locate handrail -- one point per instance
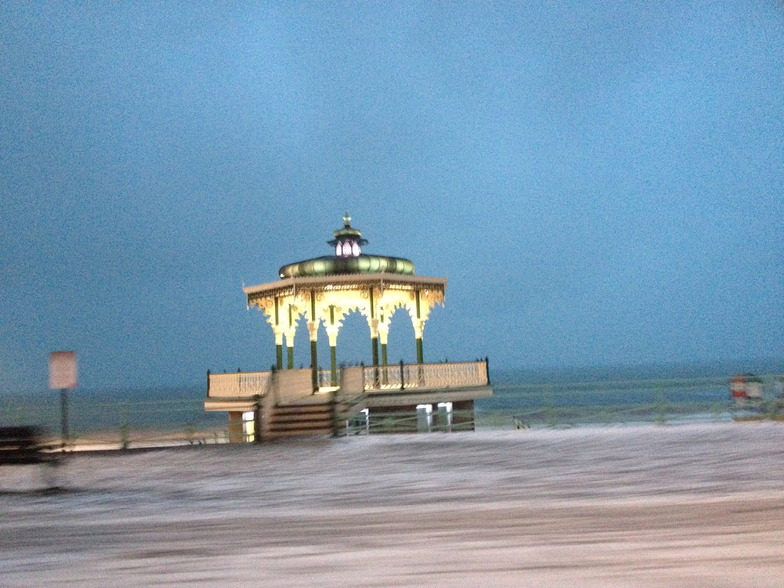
(348, 407)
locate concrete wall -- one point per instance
(289, 386)
(352, 381)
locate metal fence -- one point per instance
(113, 425)
(566, 404)
(439, 420)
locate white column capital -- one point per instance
(290, 333)
(332, 334)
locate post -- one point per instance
(62, 376)
(402, 383)
(257, 416)
(334, 413)
(64, 416)
(124, 437)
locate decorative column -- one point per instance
(373, 324)
(313, 332)
(278, 331)
(291, 331)
(383, 335)
(419, 326)
(290, 348)
(332, 332)
(374, 349)
(278, 347)
(374, 340)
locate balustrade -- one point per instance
(427, 375)
(390, 377)
(239, 384)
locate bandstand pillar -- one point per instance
(374, 349)
(332, 333)
(419, 326)
(374, 346)
(313, 332)
(383, 333)
(290, 349)
(278, 348)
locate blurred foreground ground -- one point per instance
(691, 505)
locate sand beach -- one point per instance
(688, 505)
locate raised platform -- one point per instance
(263, 405)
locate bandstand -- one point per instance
(376, 398)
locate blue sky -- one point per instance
(601, 182)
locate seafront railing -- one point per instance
(426, 375)
(661, 401)
(145, 418)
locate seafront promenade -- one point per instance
(653, 506)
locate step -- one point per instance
(297, 433)
(300, 420)
(305, 408)
(300, 424)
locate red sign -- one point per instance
(62, 369)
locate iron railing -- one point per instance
(566, 404)
(114, 425)
(379, 421)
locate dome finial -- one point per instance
(346, 219)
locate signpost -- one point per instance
(63, 375)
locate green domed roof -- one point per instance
(348, 259)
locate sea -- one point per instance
(522, 398)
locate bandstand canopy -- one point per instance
(323, 290)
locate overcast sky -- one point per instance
(601, 182)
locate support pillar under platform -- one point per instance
(235, 427)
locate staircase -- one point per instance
(300, 420)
